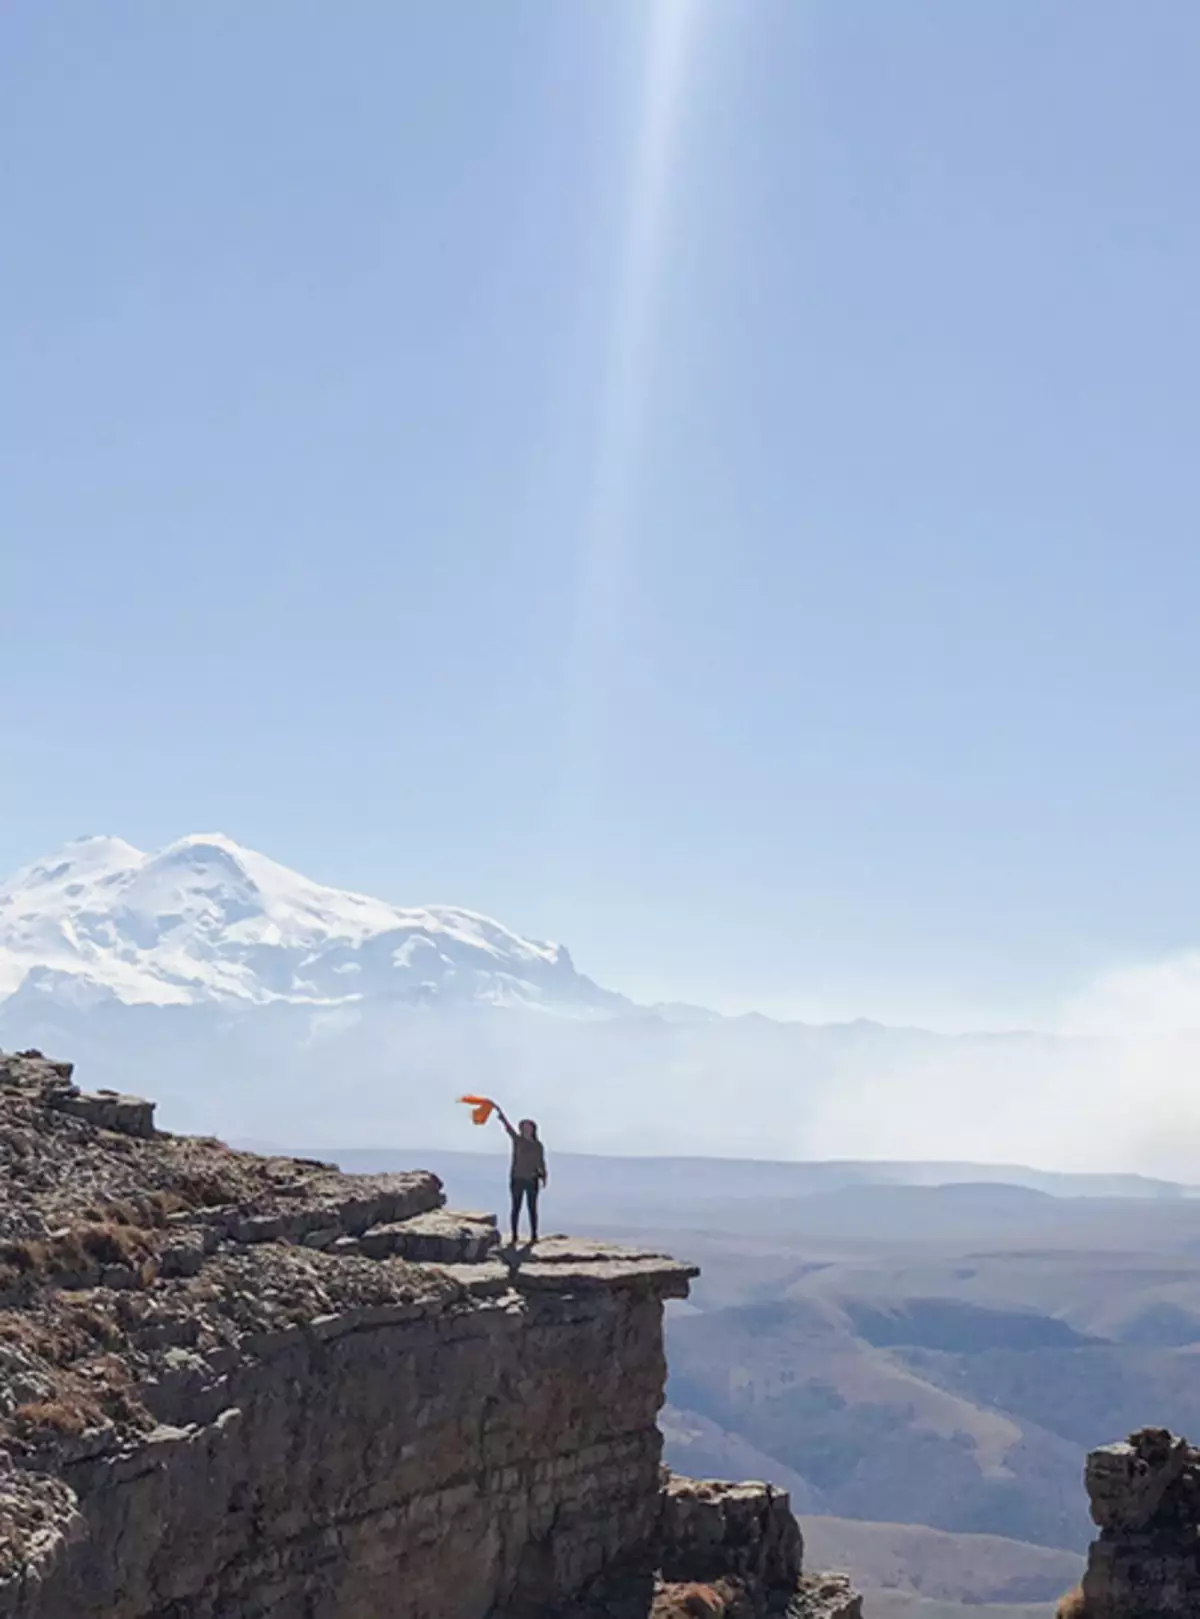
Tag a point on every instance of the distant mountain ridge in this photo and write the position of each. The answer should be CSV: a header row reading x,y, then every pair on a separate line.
x,y
205,920
251,999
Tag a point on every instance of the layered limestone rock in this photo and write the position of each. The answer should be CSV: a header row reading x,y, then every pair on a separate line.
x,y
1145,1501
736,1550
235,1387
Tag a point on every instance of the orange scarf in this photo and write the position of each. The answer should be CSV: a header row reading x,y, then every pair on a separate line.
x,y
482,1108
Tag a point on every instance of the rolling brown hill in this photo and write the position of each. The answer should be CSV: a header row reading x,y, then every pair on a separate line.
x,y
877,1436
948,1365
903,1605
930,1565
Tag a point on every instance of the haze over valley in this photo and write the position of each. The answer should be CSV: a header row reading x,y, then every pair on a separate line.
x,y
231,987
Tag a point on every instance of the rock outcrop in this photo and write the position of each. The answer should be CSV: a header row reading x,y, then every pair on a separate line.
x,y
736,1549
738,1531
1145,1501
234,1387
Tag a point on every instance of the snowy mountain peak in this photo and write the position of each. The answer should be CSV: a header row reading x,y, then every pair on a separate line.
x,y
205,919
80,857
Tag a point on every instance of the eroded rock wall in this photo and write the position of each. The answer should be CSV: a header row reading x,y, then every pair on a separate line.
x,y
746,1533
498,1457
1145,1501
735,1551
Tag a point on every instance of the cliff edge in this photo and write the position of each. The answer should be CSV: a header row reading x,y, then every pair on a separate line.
x,y
243,1386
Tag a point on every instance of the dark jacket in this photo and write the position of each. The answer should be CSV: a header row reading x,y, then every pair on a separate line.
x,y
528,1159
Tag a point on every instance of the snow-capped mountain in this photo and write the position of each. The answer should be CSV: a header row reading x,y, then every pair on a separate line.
x,y
206,921
249,1000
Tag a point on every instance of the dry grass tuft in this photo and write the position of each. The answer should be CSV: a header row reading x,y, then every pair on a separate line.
x,y
24,1257
70,1333
695,1601
81,1250
68,1417
111,1243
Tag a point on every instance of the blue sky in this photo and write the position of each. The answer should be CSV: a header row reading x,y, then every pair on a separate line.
x,y
713,483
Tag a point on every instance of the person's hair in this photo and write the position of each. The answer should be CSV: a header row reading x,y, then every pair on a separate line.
x,y
532,1128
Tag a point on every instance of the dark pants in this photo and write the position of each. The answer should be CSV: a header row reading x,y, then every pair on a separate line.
x,y
527,1192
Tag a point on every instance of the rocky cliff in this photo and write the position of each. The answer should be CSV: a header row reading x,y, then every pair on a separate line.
x,y
252,1387
1145,1501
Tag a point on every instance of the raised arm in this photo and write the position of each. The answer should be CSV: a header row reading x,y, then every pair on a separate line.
x,y
503,1117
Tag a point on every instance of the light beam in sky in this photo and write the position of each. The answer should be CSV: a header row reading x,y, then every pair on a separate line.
x,y
669,32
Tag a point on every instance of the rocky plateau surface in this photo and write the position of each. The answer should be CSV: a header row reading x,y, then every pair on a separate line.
x,y
240,1387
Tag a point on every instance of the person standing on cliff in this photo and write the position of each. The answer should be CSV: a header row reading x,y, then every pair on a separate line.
x,y
528,1173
